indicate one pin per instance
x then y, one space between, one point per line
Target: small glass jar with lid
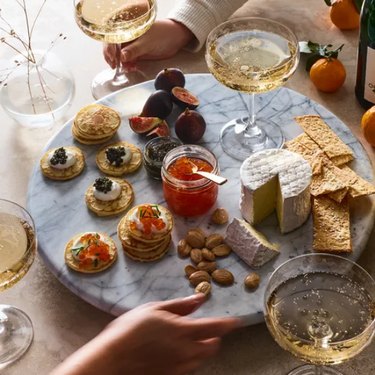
154 153
186 193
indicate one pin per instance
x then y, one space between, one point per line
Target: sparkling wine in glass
17 252
114 22
251 55
320 308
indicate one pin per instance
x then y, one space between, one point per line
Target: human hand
152 339
164 39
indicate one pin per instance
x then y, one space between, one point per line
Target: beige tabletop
62 321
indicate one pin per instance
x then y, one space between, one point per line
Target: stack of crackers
140 245
95 124
333 185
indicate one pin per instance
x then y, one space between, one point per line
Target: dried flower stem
23 46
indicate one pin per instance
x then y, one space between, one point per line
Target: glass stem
252 132
251 108
120 75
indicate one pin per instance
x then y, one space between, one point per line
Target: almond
195 238
207 266
189 269
183 248
203 287
223 276
196 255
208 255
252 280
214 240
222 250
199 276
220 216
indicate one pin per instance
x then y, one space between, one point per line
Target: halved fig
142 125
162 130
184 98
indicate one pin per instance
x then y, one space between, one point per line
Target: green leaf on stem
316 51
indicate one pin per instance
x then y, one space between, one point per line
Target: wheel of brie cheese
278 180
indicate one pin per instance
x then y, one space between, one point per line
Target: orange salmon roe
94 249
149 217
182 168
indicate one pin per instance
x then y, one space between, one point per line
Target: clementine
328 74
368 125
344 15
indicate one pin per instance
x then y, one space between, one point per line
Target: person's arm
187 26
201 16
153 339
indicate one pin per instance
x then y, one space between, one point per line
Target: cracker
331 223
63 174
357 185
326 182
129 242
97 120
134 163
150 256
321 133
109 208
87 141
309 150
341 159
73 264
339 195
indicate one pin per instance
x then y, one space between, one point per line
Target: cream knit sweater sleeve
201 16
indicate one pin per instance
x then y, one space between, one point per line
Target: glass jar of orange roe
186 193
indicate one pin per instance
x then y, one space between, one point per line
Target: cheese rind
249 244
290 196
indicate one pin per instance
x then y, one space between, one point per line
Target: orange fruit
344 15
368 125
328 74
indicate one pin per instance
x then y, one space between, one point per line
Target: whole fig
159 104
169 78
190 126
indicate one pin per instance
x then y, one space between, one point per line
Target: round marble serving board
60 212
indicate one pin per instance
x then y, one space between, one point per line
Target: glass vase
38 91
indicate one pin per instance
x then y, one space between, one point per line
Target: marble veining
60 211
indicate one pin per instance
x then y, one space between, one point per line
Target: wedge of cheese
249 244
276 180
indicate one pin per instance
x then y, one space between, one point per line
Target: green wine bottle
365 83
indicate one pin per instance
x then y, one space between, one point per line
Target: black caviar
114 155
59 156
154 153
103 184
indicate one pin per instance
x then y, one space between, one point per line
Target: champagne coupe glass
251 55
114 22
17 252
321 308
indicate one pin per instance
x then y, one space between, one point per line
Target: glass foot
106 83
16 334
314 370
240 144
